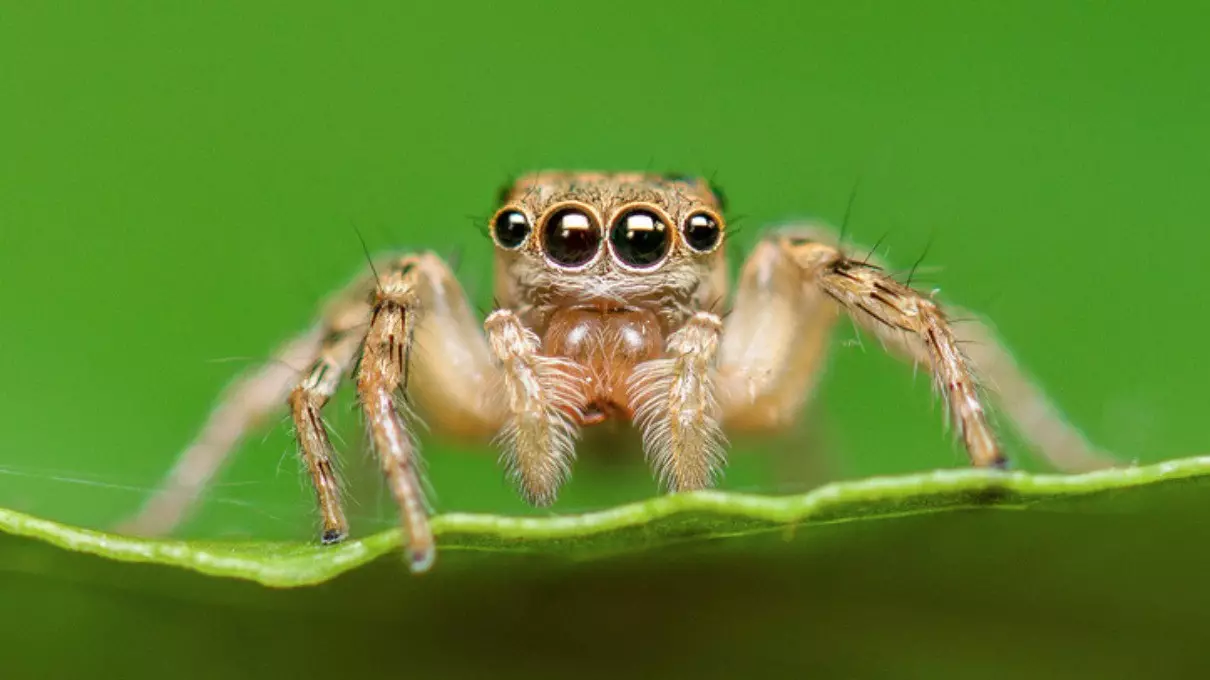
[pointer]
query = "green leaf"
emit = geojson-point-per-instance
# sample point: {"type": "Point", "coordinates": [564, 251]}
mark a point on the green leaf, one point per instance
{"type": "Point", "coordinates": [1018, 575]}
{"type": "Point", "coordinates": [636, 527]}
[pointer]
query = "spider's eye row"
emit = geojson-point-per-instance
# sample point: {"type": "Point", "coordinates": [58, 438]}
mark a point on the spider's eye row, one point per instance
{"type": "Point", "coordinates": [702, 231]}
{"type": "Point", "coordinates": [571, 237]}
{"type": "Point", "coordinates": [640, 237]}
{"type": "Point", "coordinates": [510, 228]}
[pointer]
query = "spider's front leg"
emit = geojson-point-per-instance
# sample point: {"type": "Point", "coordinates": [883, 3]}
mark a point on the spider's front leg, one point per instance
{"type": "Point", "coordinates": [790, 293]}
{"type": "Point", "coordinates": [423, 343]}
{"type": "Point", "coordinates": [907, 322]}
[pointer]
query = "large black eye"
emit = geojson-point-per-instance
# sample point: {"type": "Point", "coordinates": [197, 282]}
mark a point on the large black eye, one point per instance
{"type": "Point", "coordinates": [639, 237]}
{"type": "Point", "coordinates": [511, 228]}
{"type": "Point", "coordinates": [702, 231]}
{"type": "Point", "coordinates": [571, 237]}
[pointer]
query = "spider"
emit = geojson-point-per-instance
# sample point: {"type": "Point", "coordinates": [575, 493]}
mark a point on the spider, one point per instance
{"type": "Point", "coordinates": [607, 291]}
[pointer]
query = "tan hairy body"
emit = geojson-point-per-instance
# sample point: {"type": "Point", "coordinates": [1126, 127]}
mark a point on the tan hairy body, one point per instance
{"type": "Point", "coordinates": [611, 291]}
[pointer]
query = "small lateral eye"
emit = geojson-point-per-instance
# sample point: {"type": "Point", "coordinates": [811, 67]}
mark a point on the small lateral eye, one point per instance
{"type": "Point", "coordinates": [702, 231]}
{"type": "Point", "coordinates": [571, 237]}
{"type": "Point", "coordinates": [510, 228]}
{"type": "Point", "coordinates": [640, 238]}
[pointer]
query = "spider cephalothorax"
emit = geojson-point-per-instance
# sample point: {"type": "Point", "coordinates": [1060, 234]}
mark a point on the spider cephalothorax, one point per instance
{"type": "Point", "coordinates": [603, 267]}
{"type": "Point", "coordinates": [569, 240]}
{"type": "Point", "coordinates": [608, 289]}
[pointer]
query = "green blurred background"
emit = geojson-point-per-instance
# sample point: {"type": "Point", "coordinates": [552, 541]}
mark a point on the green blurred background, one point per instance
{"type": "Point", "coordinates": [178, 185]}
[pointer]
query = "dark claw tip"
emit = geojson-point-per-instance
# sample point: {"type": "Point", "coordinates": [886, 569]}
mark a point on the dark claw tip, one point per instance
{"type": "Point", "coordinates": [331, 536]}
{"type": "Point", "coordinates": [420, 561]}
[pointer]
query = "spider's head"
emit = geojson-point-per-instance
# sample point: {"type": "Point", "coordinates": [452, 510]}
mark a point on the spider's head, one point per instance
{"type": "Point", "coordinates": [608, 240]}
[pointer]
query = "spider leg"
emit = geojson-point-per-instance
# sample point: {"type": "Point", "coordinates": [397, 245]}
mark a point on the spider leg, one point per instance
{"type": "Point", "coordinates": [418, 305]}
{"type": "Point", "coordinates": [244, 405]}
{"type": "Point", "coordinates": [415, 307]}
{"type": "Point", "coordinates": [306, 405]}
{"type": "Point", "coordinates": [800, 265]}
{"type": "Point", "coordinates": [773, 344]}
{"type": "Point", "coordinates": [1031, 412]}
{"type": "Point", "coordinates": [751, 371]}
{"type": "Point", "coordinates": [791, 290]}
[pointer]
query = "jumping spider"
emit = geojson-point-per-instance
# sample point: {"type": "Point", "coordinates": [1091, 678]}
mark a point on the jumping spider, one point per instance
{"type": "Point", "coordinates": [607, 288]}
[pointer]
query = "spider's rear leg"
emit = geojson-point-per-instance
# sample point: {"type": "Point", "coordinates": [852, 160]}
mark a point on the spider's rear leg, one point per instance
{"type": "Point", "coordinates": [247, 403]}
{"type": "Point", "coordinates": [1030, 411]}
